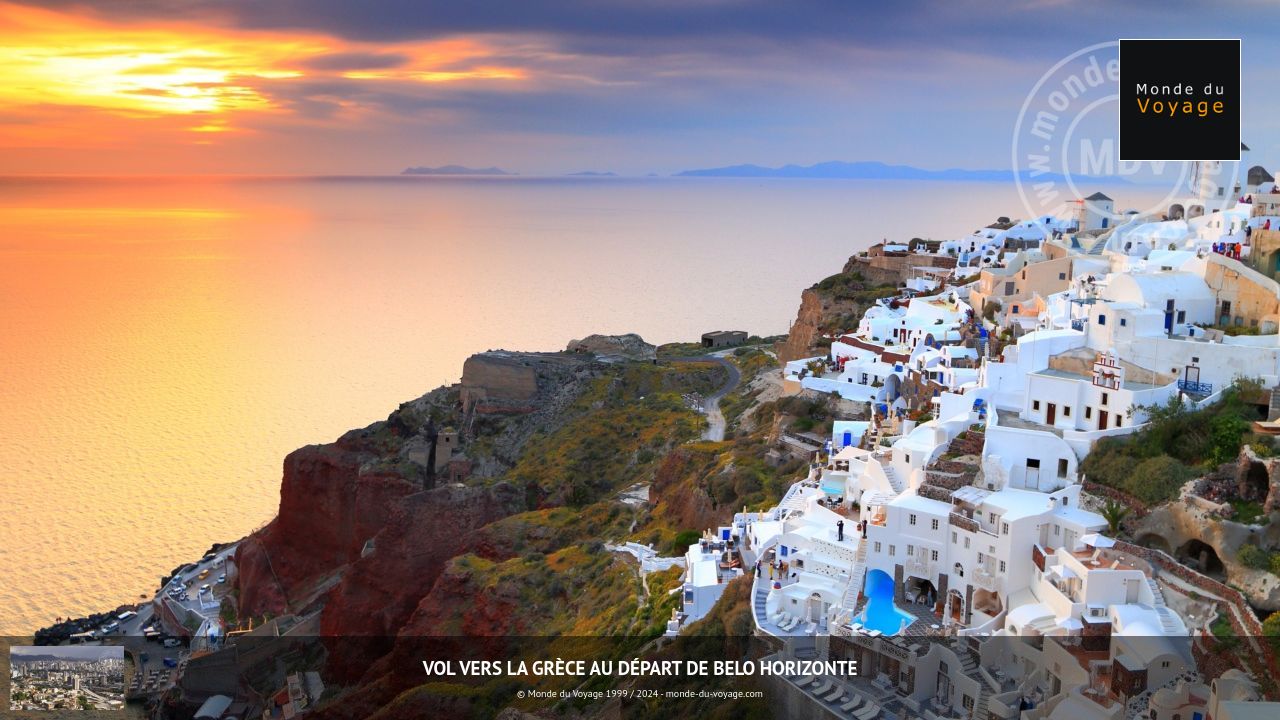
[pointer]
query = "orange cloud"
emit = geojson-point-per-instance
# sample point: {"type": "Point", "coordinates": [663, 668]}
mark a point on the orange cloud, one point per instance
{"type": "Point", "coordinates": [51, 60]}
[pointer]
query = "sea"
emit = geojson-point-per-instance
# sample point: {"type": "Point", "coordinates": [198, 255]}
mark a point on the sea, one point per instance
{"type": "Point", "coordinates": [166, 341]}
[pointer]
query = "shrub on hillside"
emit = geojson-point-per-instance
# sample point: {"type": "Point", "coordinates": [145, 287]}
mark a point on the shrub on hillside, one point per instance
{"type": "Point", "coordinates": [1157, 479]}
{"type": "Point", "coordinates": [1254, 557]}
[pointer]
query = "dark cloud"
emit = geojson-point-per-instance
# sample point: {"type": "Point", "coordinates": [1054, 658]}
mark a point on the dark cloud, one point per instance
{"type": "Point", "coordinates": [632, 27]}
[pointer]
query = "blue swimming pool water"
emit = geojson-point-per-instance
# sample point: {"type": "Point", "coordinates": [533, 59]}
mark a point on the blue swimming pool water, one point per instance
{"type": "Point", "coordinates": [880, 613]}
{"type": "Point", "coordinates": [833, 487]}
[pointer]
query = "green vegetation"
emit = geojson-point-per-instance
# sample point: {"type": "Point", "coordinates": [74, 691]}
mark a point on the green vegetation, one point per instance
{"type": "Point", "coordinates": [1114, 513]}
{"type": "Point", "coordinates": [1225, 634]}
{"type": "Point", "coordinates": [1259, 559]}
{"type": "Point", "coordinates": [682, 541]}
{"type": "Point", "coordinates": [854, 286]}
{"type": "Point", "coordinates": [1271, 628]}
{"type": "Point", "coordinates": [1247, 512]}
{"type": "Point", "coordinates": [623, 423]}
{"type": "Point", "coordinates": [1177, 443]}
{"type": "Point", "coordinates": [808, 415]}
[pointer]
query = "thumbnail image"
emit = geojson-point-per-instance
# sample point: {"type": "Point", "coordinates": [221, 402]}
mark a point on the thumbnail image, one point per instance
{"type": "Point", "coordinates": [73, 677]}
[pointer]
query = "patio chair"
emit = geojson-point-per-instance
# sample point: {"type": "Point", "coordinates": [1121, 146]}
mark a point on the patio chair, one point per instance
{"type": "Point", "coordinates": [835, 695]}
{"type": "Point", "coordinates": [822, 687]}
{"type": "Point", "coordinates": [871, 710]}
{"type": "Point", "coordinates": [849, 706]}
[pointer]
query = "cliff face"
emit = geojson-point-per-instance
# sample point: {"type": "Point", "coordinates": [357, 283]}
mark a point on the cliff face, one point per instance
{"type": "Point", "coordinates": [379, 591]}
{"type": "Point", "coordinates": [332, 499]}
{"type": "Point", "coordinates": [835, 305]}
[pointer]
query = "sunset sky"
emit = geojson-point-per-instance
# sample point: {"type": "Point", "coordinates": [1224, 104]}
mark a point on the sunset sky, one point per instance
{"type": "Point", "coordinates": [338, 86]}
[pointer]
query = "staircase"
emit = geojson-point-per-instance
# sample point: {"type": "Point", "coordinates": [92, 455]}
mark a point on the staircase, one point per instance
{"type": "Point", "coordinates": [1169, 622]}
{"type": "Point", "coordinates": [894, 481]}
{"type": "Point", "coordinates": [849, 603]}
{"type": "Point", "coordinates": [1099, 244]}
{"type": "Point", "coordinates": [1155, 591]}
{"type": "Point", "coordinates": [762, 615]}
{"type": "Point", "coordinates": [1273, 411]}
{"type": "Point", "coordinates": [980, 703]}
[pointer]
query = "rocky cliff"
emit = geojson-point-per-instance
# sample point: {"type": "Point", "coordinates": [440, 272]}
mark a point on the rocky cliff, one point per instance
{"type": "Point", "coordinates": [835, 305]}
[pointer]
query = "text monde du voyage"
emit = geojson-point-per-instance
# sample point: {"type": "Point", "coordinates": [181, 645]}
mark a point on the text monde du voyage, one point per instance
{"type": "Point", "coordinates": [1180, 99]}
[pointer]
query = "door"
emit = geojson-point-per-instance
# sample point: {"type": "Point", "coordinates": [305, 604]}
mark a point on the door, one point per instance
{"type": "Point", "coordinates": [1102, 419]}
{"type": "Point", "coordinates": [1050, 414]}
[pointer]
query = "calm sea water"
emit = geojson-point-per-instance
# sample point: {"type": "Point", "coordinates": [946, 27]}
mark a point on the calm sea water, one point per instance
{"type": "Point", "coordinates": [165, 342]}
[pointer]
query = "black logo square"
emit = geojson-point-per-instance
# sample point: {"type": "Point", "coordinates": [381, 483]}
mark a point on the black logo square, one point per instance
{"type": "Point", "coordinates": [1180, 99]}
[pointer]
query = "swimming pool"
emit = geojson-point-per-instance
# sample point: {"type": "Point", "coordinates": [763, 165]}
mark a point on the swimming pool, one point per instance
{"type": "Point", "coordinates": [833, 487]}
{"type": "Point", "coordinates": [880, 613]}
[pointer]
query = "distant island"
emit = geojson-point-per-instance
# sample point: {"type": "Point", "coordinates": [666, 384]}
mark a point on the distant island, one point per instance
{"type": "Point", "coordinates": [591, 173]}
{"type": "Point", "coordinates": [870, 170]}
{"type": "Point", "coordinates": [453, 170]}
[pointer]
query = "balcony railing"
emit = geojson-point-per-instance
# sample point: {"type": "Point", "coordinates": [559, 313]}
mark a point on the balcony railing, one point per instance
{"type": "Point", "coordinates": [1195, 388]}
{"type": "Point", "coordinates": [986, 580]}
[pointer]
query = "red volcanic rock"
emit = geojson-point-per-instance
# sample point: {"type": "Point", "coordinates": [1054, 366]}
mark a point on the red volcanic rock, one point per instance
{"type": "Point", "coordinates": [331, 503]}
{"type": "Point", "coordinates": [379, 592]}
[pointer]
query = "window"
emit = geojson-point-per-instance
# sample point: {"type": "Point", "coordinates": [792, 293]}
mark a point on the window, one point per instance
{"type": "Point", "coordinates": [1118, 419]}
{"type": "Point", "coordinates": [1088, 412]}
{"type": "Point", "coordinates": [1102, 319]}
{"type": "Point", "coordinates": [911, 551]}
{"type": "Point", "coordinates": [912, 519]}
{"type": "Point", "coordinates": [1105, 397]}
{"type": "Point", "coordinates": [966, 543]}
{"type": "Point", "coordinates": [1015, 310]}
{"type": "Point", "coordinates": [933, 555]}
{"type": "Point", "coordinates": [1182, 317]}
{"type": "Point", "coordinates": [1062, 276]}
{"type": "Point", "coordinates": [1062, 467]}
{"type": "Point", "coordinates": [877, 546]}
{"type": "Point", "coordinates": [991, 517]}
{"type": "Point", "coordinates": [1033, 463]}
{"type": "Point", "coordinates": [934, 523]}
{"type": "Point", "coordinates": [1004, 528]}
{"type": "Point", "coordinates": [1057, 530]}
{"type": "Point", "coordinates": [1066, 411]}
{"type": "Point", "coordinates": [1002, 566]}
{"type": "Point", "coordinates": [893, 550]}
{"type": "Point", "coordinates": [1123, 322]}
{"type": "Point", "coordinates": [953, 537]}
{"type": "Point", "coordinates": [1035, 404]}
{"type": "Point", "coordinates": [1008, 288]}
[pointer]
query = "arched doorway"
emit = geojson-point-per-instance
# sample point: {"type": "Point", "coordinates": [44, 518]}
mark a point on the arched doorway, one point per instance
{"type": "Point", "coordinates": [815, 608]}
{"type": "Point", "coordinates": [1201, 556]}
{"type": "Point", "coordinates": [1176, 211]}
{"type": "Point", "coordinates": [955, 604]}
{"type": "Point", "coordinates": [1155, 541]}
{"type": "Point", "coordinates": [921, 591]}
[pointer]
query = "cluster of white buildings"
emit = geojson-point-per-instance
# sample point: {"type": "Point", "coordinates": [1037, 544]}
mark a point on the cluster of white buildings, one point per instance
{"type": "Point", "coordinates": [896, 535]}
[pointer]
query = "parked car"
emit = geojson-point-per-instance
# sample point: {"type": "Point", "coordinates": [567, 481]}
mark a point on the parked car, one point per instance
{"type": "Point", "coordinates": [171, 642]}
{"type": "Point", "coordinates": [170, 663]}
{"type": "Point", "coordinates": [222, 578]}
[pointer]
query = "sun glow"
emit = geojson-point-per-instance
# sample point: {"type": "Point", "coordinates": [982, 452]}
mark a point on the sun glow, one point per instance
{"type": "Point", "coordinates": [58, 62]}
